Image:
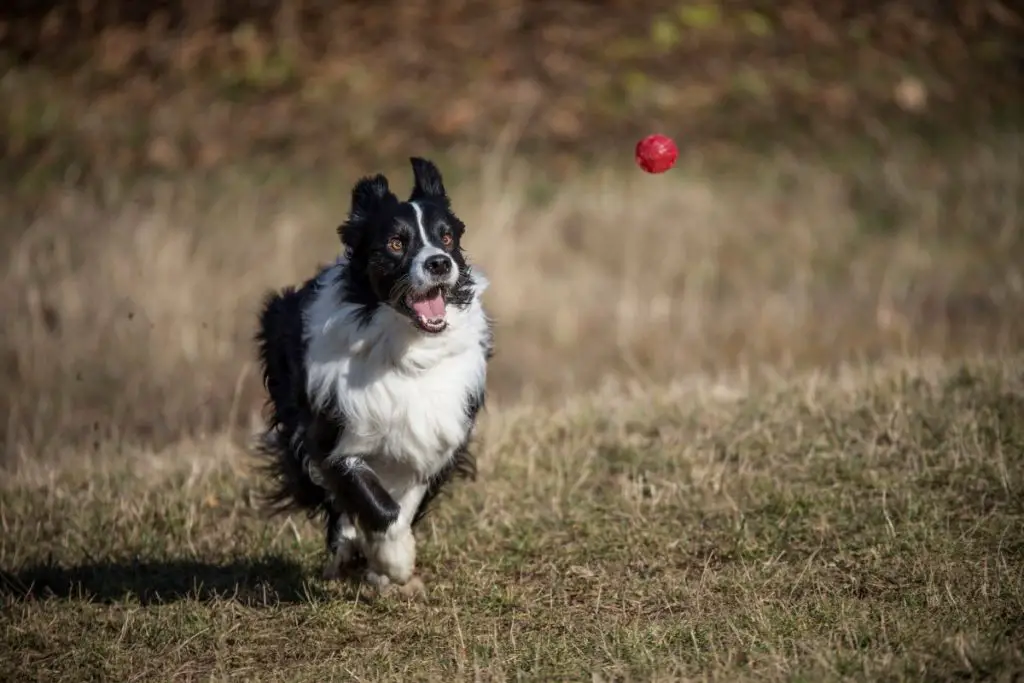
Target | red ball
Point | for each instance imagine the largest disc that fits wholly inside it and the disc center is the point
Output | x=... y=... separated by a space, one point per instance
x=656 y=153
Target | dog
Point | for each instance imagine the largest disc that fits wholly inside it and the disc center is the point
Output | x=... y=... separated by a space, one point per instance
x=375 y=371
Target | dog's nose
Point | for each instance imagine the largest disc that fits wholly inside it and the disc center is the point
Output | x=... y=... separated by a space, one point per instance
x=438 y=264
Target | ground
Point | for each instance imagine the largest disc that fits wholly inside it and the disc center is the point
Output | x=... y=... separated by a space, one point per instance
x=758 y=418
x=865 y=524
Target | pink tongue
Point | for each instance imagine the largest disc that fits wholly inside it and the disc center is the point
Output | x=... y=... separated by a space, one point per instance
x=432 y=307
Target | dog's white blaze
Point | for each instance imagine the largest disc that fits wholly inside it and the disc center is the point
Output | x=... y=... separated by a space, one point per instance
x=419 y=222
x=420 y=279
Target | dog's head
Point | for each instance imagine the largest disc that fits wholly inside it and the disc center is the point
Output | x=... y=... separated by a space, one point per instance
x=407 y=254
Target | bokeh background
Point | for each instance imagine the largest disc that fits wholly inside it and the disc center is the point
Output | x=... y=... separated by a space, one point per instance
x=849 y=188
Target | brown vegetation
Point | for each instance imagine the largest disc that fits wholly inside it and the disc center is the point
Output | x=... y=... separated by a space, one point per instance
x=109 y=84
x=137 y=321
x=805 y=453
x=861 y=525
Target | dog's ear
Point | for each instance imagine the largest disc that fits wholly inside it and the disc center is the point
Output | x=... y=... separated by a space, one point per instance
x=427 y=181
x=368 y=196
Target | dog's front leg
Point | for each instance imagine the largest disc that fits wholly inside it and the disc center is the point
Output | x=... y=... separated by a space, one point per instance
x=388 y=543
x=343 y=544
x=358 y=492
x=391 y=553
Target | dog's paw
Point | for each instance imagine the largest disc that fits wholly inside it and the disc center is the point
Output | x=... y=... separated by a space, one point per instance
x=412 y=589
x=379 y=581
x=392 y=555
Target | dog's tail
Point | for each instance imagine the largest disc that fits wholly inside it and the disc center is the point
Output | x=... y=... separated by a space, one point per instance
x=281 y=348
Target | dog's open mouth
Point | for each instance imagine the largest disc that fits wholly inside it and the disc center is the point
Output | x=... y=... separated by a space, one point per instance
x=428 y=310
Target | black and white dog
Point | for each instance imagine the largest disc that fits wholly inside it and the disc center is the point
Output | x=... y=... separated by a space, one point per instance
x=376 y=370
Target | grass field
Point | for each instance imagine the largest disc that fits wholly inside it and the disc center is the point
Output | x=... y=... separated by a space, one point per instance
x=130 y=314
x=755 y=421
x=766 y=426
x=759 y=418
x=862 y=524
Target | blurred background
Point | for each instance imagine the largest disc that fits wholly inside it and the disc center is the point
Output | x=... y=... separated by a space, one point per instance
x=849 y=187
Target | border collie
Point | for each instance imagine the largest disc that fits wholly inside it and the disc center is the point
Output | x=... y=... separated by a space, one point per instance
x=375 y=371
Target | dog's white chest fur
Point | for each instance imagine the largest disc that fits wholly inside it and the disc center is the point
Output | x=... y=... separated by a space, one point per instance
x=403 y=394
x=418 y=419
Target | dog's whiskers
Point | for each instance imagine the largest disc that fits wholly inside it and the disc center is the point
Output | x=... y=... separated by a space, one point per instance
x=401 y=288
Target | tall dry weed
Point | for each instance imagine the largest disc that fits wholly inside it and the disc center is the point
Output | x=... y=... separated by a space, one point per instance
x=136 y=321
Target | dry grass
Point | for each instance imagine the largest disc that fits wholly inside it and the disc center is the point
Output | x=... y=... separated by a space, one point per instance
x=754 y=425
x=829 y=512
x=131 y=314
x=865 y=524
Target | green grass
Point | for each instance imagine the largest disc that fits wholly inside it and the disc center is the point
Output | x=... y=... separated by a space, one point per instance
x=866 y=524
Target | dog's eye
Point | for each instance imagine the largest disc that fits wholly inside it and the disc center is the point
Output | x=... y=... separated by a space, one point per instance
x=446 y=240
x=395 y=245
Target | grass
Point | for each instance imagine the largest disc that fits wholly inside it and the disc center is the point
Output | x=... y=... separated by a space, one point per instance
x=758 y=426
x=759 y=418
x=861 y=524
x=130 y=315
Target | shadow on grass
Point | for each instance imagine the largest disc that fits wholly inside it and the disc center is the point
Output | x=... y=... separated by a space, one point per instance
x=267 y=581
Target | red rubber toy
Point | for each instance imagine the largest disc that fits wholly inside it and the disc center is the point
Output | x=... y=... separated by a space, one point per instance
x=656 y=153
